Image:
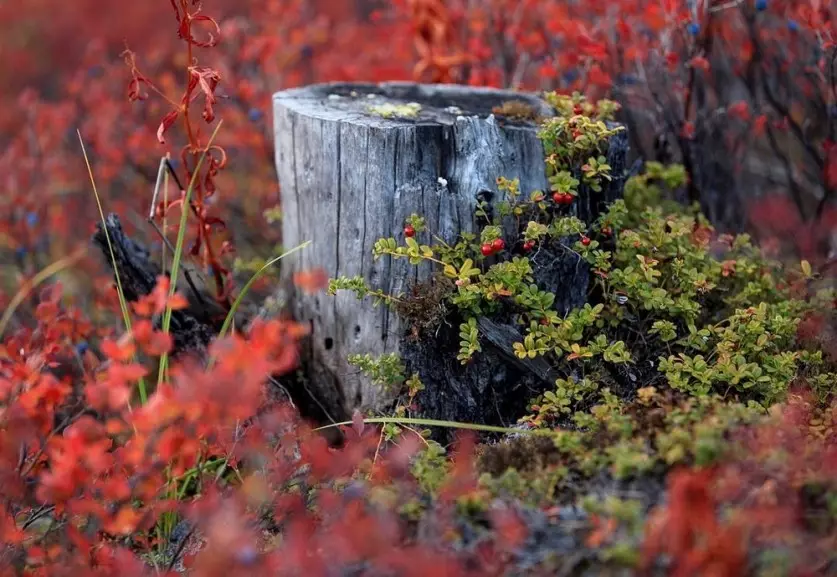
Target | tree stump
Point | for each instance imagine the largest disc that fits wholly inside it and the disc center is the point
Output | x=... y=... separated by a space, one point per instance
x=354 y=161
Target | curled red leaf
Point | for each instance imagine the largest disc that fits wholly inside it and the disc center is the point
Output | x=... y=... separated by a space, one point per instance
x=213 y=36
x=168 y=121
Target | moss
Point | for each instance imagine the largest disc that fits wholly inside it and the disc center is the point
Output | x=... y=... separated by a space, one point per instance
x=526 y=454
x=425 y=306
x=517 y=110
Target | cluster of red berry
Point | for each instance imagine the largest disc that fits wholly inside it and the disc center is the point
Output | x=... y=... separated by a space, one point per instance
x=563 y=198
x=498 y=245
x=490 y=248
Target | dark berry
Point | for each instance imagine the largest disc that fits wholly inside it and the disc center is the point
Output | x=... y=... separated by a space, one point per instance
x=247 y=555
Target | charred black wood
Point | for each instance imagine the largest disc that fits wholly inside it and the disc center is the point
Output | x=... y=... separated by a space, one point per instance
x=192 y=328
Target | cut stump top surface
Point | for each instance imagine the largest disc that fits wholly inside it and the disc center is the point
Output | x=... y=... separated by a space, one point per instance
x=367 y=103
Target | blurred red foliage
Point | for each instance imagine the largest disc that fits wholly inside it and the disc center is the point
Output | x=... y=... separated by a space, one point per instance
x=87 y=475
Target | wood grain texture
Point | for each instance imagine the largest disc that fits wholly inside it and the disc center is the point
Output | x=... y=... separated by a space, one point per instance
x=349 y=177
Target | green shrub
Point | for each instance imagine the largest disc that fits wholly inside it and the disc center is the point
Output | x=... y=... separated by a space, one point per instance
x=699 y=327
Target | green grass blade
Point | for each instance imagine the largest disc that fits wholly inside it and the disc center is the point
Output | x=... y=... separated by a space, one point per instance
x=28 y=287
x=231 y=315
x=123 y=304
x=178 y=248
x=437 y=423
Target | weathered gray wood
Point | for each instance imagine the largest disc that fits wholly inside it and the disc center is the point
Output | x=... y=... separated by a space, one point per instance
x=349 y=177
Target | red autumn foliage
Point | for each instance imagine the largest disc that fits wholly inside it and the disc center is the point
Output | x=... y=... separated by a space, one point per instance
x=88 y=474
x=765 y=498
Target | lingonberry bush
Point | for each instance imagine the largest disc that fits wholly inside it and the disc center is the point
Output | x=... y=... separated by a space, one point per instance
x=719 y=460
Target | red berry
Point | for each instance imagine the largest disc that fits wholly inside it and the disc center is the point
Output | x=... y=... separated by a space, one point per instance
x=498 y=245
x=558 y=197
x=576 y=133
x=568 y=199
x=585 y=241
x=487 y=250
x=577 y=109
x=409 y=231
x=528 y=245
x=606 y=231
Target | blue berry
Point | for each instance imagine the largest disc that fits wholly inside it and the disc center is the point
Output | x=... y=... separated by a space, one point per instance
x=31 y=219
x=761 y=5
x=20 y=252
x=693 y=28
x=255 y=115
x=627 y=79
x=571 y=75
x=793 y=25
x=82 y=347
x=247 y=556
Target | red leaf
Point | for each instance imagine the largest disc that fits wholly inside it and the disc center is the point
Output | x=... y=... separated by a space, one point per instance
x=119 y=352
x=740 y=110
x=168 y=121
x=590 y=47
x=46 y=311
x=214 y=34
x=311 y=281
x=700 y=63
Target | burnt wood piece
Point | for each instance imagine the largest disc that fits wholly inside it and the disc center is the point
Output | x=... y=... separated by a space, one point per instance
x=191 y=329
